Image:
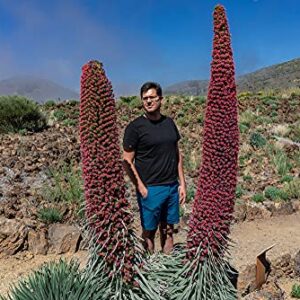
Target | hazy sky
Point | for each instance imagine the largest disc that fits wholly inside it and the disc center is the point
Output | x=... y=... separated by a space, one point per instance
x=138 y=40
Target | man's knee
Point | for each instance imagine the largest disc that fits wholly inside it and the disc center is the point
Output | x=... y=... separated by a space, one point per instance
x=149 y=234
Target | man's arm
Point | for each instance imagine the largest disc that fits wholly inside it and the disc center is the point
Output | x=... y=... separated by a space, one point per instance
x=128 y=158
x=182 y=186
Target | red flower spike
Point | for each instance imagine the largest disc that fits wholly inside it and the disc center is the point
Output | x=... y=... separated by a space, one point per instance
x=214 y=200
x=106 y=205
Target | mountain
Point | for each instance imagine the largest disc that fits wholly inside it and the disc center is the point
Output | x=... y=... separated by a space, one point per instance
x=279 y=76
x=37 y=89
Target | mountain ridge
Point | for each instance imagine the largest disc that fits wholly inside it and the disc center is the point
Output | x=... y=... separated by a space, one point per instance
x=35 y=88
x=279 y=76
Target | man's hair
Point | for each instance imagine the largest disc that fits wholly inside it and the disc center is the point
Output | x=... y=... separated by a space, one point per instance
x=151 y=85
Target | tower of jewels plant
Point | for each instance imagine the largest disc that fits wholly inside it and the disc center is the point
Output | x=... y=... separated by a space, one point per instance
x=207 y=275
x=107 y=209
x=117 y=258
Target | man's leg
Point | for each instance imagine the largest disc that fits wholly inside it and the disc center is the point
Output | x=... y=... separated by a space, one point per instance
x=166 y=237
x=150 y=215
x=169 y=217
x=148 y=240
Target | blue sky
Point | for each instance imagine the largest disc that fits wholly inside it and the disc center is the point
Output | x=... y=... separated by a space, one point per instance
x=167 y=41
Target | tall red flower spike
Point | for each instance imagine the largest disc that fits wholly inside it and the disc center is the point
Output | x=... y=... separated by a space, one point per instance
x=214 y=201
x=107 y=209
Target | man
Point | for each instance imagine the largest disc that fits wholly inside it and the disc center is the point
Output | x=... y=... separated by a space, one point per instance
x=154 y=164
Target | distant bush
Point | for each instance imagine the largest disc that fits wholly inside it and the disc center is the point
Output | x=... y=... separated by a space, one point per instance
x=200 y=119
x=176 y=100
x=247 y=118
x=131 y=101
x=243 y=128
x=257 y=140
x=286 y=178
x=190 y=193
x=19 y=113
x=258 y=198
x=281 y=162
x=182 y=121
x=269 y=100
x=247 y=177
x=72 y=102
x=60 y=115
x=244 y=95
x=295 y=132
x=292 y=188
x=199 y=99
x=67 y=185
x=274 y=193
x=69 y=122
x=296 y=291
x=239 y=191
x=50 y=103
x=50 y=215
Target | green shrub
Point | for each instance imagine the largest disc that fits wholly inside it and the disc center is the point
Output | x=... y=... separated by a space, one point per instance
x=57 y=281
x=127 y=99
x=295 y=293
x=200 y=119
x=243 y=128
x=274 y=193
x=131 y=101
x=244 y=95
x=244 y=158
x=239 y=191
x=67 y=185
x=176 y=100
x=268 y=100
x=50 y=215
x=69 y=122
x=181 y=211
x=286 y=178
x=50 y=103
x=19 y=113
x=189 y=164
x=23 y=131
x=247 y=177
x=199 y=99
x=292 y=188
x=257 y=140
x=125 y=118
x=281 y=162
x=295 y=132
x=60 y=115
x=182 y=121
x=264 y=120
x=73 y=102
x=190 y=193
x=247 y=118
x=258 y=198
x=274 y=114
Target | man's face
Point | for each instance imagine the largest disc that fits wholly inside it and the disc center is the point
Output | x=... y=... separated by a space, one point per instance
x=151 y=101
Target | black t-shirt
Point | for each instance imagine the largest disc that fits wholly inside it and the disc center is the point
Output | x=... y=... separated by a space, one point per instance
x=155 y=146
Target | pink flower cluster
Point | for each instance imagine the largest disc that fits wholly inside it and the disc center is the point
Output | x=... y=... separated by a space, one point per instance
x=214 y=200
x=107 y=209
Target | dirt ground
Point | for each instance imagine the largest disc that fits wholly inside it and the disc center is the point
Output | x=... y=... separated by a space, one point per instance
x=250 y=238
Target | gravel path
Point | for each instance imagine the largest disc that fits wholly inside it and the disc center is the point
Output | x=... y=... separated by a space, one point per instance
x=253 y=237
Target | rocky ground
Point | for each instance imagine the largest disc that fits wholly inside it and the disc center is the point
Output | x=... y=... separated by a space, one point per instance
x=250 y=239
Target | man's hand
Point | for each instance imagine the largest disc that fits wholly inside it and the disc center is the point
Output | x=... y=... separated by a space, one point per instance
x=143 y=190
x=182 y=194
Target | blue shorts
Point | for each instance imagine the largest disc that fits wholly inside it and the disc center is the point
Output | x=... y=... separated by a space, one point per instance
x=160 y=205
